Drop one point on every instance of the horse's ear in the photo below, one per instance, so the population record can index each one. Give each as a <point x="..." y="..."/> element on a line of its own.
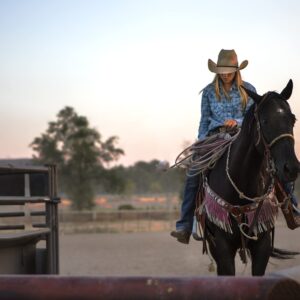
<point x="287" y="91"/>
<point x="252" y="95"/>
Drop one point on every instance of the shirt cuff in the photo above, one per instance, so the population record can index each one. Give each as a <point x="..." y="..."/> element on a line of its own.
<point x="239" y="122"/>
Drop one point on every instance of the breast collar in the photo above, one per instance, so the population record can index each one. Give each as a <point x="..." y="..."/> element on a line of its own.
<point x="219" y="210"/>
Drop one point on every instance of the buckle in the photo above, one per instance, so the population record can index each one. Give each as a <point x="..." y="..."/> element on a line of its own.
<point x="236" y="211"/>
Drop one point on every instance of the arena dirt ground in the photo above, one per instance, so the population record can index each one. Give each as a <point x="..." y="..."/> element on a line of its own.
<point x="153" y="254"/>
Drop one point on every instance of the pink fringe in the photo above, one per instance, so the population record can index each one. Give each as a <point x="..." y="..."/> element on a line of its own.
<point x="220" y="216"/>
<point x="215" y="212"/>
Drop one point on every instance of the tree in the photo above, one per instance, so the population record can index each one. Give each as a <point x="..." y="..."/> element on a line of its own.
<point x="79" y="153"/>
<point x="144" y="177"/>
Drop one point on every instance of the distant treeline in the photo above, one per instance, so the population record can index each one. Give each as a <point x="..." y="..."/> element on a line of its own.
<point x="82" y="157"/>
<point x="143" y="177"/>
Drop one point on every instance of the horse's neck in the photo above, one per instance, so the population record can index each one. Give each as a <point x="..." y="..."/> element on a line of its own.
<point x="245" y="164"/>
<point x="244" y="168"/>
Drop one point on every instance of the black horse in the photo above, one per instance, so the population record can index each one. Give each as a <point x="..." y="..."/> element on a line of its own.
<point x="265" y="143"/>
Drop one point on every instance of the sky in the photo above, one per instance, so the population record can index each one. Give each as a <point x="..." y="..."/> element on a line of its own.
<point x="134" y="67"/>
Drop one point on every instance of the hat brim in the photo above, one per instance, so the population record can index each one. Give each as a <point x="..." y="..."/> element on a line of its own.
<point x="224" y="70"/>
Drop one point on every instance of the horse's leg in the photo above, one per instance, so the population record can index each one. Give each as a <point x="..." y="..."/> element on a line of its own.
<point x="223" y="252"/>
<point x="260" y="253"/>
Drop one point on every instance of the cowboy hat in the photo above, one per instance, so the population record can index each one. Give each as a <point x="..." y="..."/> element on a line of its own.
<point x="227" y="63"/>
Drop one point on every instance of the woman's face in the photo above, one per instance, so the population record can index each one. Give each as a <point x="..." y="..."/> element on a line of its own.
<point x="227" y="78"/>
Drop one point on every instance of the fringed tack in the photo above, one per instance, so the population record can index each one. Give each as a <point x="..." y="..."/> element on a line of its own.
<point x="215" y="212"/>
<point x="215" y="208"/>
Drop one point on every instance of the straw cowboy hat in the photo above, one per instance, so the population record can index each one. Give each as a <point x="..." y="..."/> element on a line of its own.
<point x="227" y="63"/>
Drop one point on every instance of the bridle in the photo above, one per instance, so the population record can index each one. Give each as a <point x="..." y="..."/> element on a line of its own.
<point x="267" y="153"/>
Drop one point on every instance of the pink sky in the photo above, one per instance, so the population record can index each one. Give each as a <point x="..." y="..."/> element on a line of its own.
<point x="134" y="68"/>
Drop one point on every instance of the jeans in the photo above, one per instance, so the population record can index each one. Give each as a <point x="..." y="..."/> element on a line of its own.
<point x="189" y="203"/>
<point x="289" y="188"/>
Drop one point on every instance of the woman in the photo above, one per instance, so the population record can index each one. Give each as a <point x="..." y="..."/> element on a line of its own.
<point x="223" y="106"/>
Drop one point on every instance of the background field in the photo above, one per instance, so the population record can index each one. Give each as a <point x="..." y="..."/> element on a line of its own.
<point x="152" y="254"/>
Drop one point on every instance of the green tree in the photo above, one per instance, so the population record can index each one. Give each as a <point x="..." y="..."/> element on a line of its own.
<point x="79" y="153"/>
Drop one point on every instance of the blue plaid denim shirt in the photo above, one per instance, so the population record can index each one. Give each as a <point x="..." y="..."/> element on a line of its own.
<point x="214" y="112"/>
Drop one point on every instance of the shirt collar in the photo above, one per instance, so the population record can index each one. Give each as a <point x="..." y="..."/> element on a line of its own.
<point x="233" y="87"/>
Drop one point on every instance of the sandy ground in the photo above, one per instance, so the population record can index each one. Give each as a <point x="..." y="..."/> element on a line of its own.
<point x="153" y="254"/>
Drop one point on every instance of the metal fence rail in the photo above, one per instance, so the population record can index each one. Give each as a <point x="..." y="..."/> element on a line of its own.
<point x="115" y="288"/>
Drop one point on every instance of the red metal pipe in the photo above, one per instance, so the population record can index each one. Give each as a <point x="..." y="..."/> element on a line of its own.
<point x="35" y="287"/>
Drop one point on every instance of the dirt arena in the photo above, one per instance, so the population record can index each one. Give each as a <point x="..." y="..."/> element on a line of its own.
<point x="153" y="254"/>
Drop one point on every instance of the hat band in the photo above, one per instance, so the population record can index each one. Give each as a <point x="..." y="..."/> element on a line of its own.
<point x="227" y="66"/>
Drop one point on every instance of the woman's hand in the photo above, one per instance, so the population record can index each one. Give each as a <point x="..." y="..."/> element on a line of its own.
<point x="230" y="123"/>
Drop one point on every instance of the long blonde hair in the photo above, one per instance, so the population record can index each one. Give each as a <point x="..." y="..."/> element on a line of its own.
<point x="238" y="80"/>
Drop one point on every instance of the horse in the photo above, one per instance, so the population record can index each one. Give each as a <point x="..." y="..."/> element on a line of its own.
<point x="265" y="143"/>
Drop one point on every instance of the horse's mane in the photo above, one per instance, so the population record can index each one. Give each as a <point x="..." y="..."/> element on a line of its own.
<point x="248" y="120"/>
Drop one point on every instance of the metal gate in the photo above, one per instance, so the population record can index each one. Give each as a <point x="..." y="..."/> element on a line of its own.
<point x="28" y="220"/>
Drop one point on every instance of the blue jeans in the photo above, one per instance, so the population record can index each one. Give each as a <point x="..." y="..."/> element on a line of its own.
<point x="188" y="204"/>
<point x="289" y="188"/>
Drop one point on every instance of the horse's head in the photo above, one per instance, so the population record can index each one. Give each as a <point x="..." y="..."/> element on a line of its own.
<point x="274" y="124"/>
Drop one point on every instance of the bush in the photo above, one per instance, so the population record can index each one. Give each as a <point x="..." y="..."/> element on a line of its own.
<point x="126" y="207"/>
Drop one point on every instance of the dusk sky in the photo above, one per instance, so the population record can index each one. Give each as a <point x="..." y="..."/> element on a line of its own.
<point x="134" y="68"/>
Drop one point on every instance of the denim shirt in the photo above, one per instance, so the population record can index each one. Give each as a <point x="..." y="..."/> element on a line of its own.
<point x="214" y="112"/>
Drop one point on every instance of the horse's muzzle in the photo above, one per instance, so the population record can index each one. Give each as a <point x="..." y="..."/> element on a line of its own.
<point x="291" y="171"/>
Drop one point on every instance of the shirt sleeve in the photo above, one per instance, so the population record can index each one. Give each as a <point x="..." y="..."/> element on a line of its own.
<point x="205" y="114"/>
<point x="239" y="121"/>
